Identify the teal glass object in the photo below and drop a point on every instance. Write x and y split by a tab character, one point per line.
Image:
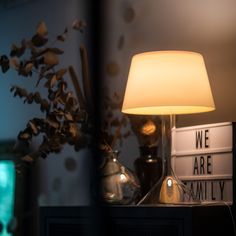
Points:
7	193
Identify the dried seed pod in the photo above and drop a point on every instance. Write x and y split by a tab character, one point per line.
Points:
50	58
42	29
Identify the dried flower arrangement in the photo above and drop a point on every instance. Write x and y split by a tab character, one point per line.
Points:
67	117
117	126
114	124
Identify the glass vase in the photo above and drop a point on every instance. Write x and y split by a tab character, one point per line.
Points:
119	185
148	168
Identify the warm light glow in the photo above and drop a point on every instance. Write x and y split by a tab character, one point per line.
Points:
169	182
167	82
148	128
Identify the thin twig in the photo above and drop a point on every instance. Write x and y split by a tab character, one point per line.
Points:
117	133
86	81
78	90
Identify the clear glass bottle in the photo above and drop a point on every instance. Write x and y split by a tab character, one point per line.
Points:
119	185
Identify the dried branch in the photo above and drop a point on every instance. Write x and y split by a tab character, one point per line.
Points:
116	136
65	117
86	81
78	90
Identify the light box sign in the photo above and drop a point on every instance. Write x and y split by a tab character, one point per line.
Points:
202	157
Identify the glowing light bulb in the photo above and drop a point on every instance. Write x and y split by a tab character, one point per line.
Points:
169	182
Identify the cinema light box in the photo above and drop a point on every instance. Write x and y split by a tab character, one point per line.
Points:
202	158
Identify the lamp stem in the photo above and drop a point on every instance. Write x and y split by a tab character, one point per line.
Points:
170	192
168	123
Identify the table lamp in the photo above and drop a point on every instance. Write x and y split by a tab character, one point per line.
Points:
168	83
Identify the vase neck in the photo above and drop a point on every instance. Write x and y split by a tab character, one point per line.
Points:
147	151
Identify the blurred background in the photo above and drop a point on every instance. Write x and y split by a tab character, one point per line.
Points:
124	28
207	27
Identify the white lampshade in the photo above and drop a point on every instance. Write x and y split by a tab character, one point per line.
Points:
167	82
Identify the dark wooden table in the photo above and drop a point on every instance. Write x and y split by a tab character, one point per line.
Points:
159	220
